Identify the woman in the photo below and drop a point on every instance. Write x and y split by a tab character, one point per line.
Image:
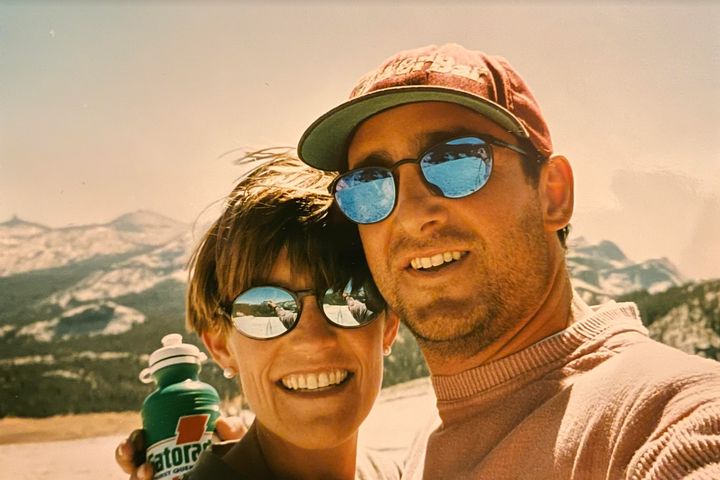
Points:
310	377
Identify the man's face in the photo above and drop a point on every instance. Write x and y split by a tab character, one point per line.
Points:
503	271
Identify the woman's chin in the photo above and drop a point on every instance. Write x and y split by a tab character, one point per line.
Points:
319	436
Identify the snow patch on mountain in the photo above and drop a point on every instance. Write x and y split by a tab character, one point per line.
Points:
134	275
18	228
147	228
686	327
601	271
29	360
27	246
66	374
5	329
101	318
90	355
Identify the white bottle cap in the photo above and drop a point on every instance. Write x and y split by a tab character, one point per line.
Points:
172	352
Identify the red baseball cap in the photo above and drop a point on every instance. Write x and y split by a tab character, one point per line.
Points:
450	73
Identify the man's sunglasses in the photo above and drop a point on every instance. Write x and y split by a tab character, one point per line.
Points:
270	311
454	168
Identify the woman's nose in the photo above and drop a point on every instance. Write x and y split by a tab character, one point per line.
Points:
313	331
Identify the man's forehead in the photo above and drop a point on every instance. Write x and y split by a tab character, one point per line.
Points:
415	127
381	154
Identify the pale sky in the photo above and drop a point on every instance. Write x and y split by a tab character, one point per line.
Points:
107	108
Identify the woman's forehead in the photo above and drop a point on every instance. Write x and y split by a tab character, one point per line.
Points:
291	276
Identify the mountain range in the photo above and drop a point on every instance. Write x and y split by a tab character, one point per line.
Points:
601	271
81	307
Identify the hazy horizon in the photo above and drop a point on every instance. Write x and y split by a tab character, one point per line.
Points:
108	108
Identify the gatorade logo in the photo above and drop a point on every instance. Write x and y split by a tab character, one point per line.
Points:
174	456
191	428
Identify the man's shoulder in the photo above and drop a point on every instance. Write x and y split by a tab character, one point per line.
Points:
645	378
642	356
632	353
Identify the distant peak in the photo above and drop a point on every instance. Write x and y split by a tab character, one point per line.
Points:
604	249
142	218
16	222
577	242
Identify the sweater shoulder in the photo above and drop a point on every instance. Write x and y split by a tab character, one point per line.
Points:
644	361
645	386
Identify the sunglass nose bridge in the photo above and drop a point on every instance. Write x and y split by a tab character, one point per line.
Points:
434	189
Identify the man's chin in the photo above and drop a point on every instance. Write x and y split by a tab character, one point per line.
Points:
454	333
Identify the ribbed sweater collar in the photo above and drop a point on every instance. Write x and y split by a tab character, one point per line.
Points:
480	379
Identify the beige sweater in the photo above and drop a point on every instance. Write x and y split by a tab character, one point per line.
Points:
599	400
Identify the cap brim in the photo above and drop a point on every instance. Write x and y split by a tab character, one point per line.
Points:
324	144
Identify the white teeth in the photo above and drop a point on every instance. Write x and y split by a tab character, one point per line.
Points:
312	381
419	263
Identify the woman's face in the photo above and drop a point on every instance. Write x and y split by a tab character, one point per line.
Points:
314	353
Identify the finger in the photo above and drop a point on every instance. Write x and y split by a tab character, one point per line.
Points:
137	443
230	428
123	456
145	472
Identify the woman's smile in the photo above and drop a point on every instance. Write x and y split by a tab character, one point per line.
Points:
315	381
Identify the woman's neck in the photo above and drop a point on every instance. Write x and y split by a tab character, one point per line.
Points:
262	454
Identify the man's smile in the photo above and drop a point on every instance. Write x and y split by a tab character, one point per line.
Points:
424	263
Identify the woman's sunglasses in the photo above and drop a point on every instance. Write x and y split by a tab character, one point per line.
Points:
454	168
270	311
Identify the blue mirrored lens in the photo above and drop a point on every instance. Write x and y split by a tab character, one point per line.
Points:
366	195
459	167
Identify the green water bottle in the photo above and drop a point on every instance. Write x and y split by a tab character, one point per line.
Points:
179	416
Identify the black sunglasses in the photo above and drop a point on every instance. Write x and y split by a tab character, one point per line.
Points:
454	168
269	311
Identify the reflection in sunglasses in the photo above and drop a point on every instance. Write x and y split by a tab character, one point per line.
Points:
269	311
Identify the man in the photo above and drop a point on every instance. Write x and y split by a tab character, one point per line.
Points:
448	168
358	309
286	317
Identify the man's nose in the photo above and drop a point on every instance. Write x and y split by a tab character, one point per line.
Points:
420	207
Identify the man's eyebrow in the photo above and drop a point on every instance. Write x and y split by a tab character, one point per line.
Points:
382	158
427	140
376	159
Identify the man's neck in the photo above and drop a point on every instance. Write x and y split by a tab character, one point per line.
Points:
552	315
262	454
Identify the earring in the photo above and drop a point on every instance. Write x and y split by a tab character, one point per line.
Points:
229	372
387	351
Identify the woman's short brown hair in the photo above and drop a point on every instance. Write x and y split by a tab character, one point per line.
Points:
282	204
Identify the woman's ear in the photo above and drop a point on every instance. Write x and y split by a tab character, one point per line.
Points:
215	341
392	324
556	192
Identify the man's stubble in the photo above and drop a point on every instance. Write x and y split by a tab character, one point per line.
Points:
510	284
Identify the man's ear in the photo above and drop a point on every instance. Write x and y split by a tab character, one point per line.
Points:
556	192
215	341
392	324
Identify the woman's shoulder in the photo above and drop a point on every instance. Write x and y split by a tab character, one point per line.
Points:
373	464
211	466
